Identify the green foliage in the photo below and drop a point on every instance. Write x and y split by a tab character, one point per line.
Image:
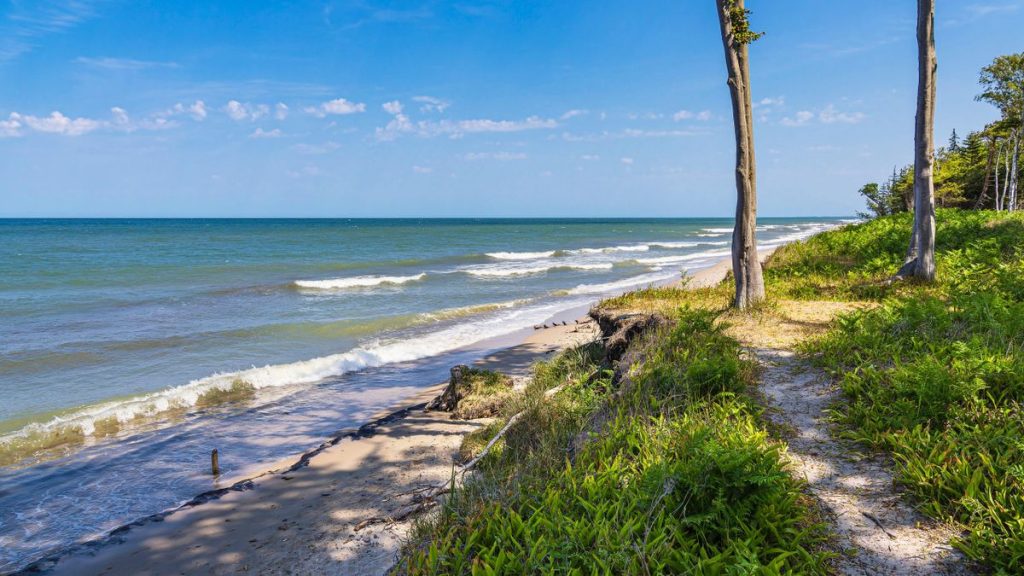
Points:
670	472
739	17
935	374
973	250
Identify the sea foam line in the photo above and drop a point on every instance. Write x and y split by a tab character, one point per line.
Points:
507	318
521	255
509	271
357	282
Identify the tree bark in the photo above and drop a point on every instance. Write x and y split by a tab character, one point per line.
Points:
923	264
1014	171
989	162
746	265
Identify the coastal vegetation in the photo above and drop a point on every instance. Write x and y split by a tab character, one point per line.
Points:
664	467
667	463
978	171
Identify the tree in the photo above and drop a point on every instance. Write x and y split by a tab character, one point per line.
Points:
954	142
1003	83
746	266
921	252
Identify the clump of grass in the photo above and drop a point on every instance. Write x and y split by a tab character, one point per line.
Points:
38	443
483	393
669	471
239	391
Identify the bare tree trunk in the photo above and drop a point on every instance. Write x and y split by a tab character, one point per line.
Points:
980	202
1014	171
746	265
923	265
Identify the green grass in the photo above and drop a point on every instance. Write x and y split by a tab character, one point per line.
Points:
484	392
934	374
667	471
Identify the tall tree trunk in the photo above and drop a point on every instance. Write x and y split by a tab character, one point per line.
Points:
746	265
980	202
1014	171
923	264
999	195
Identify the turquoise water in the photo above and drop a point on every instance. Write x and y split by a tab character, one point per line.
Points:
325	321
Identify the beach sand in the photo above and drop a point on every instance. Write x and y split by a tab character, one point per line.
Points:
302	521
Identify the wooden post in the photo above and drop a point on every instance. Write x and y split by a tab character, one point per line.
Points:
215	462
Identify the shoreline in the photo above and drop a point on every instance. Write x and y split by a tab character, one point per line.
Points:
130	547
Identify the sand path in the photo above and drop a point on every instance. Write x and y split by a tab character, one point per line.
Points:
877	532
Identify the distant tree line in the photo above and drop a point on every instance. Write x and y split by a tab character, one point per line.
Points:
981	170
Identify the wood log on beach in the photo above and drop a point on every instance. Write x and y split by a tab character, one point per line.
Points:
215	462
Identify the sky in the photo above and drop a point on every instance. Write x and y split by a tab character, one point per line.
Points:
324	108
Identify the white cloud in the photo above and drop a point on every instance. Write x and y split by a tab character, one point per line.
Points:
431	104
501	156
827	115
241	112
770	102
198	110
574	113
398	125
336	107
126	64
831	116
634	133
10	128
316	149
626	160
261	133
645	116
57	123
422	169
484	125
281	111
802	117
703	115
590	157
26	23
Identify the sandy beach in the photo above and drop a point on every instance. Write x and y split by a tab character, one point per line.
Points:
301	519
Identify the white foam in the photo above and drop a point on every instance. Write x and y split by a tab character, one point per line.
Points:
608	249
512	270
369	355
520	255
673	245
621	285
718	230
665	260
357	282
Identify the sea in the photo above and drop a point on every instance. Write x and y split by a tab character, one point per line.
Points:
129	349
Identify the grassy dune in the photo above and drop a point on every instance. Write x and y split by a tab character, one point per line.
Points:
671	469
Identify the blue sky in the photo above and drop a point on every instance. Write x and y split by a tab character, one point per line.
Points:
498	108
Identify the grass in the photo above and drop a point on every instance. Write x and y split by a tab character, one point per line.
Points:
671	470
668	470
483	394
932	374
